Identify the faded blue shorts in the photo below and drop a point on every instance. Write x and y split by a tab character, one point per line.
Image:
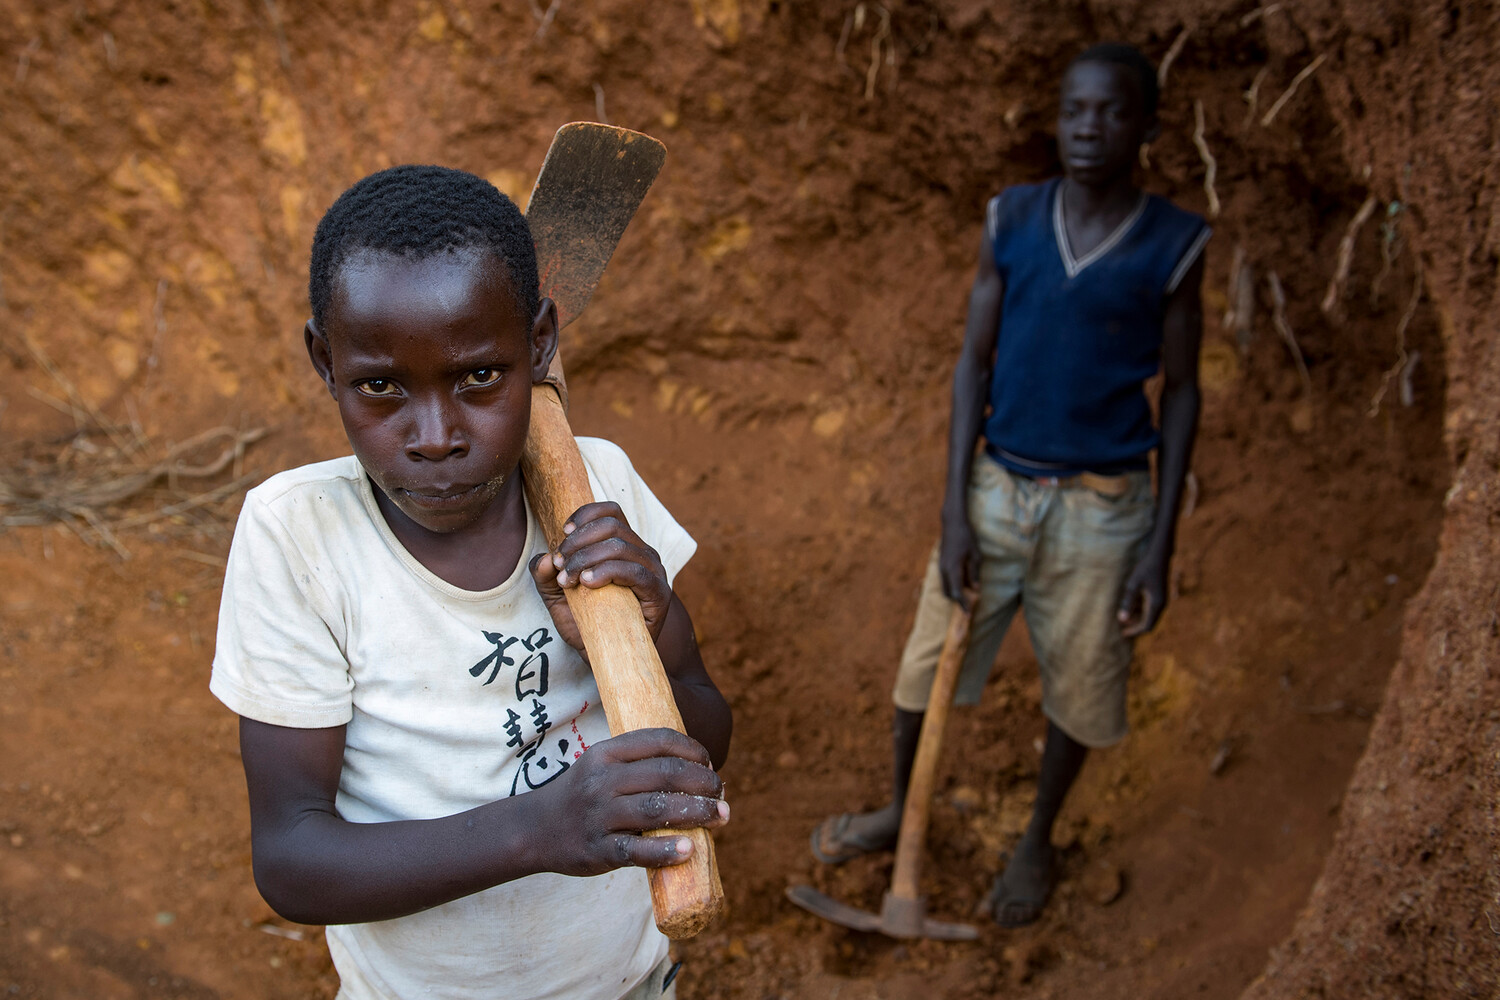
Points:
1063	554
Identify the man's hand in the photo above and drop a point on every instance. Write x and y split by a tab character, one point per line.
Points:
599	548
642	780
1144	597
958	558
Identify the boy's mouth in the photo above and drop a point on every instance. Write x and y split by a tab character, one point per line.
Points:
440	497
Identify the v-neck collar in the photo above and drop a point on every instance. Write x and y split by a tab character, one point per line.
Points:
1060	231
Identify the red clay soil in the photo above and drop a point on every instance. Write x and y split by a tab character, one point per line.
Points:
1312	769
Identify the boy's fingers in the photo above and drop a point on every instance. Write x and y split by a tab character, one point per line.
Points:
658	810
626	574
666	775
652	852
604	531
643	744
590	512
543	571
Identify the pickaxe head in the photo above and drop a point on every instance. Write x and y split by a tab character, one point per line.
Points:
898	917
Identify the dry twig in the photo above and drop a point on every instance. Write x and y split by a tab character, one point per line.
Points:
281	46
544	18
1240	316
1211	166
1278	316
873	73
1171	57
1258	13
1390	249
1252	95
1346	255
1291	89
23	62
1406	362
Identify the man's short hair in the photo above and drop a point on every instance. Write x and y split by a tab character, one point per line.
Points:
1131	58
419	212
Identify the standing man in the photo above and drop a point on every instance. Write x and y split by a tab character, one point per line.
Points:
1086	287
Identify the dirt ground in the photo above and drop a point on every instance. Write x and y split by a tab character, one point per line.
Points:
772	346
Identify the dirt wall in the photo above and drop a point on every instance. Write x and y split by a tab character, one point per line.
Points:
772	346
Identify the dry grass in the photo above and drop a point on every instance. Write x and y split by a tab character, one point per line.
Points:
105	477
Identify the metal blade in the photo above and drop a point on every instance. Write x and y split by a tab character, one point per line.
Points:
590	185
829	908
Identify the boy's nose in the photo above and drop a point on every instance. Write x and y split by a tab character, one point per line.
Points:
435	433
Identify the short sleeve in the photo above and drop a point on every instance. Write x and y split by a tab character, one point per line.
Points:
614	478
1189	257
276	658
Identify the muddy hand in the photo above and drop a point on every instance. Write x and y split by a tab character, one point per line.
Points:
648	779
599	548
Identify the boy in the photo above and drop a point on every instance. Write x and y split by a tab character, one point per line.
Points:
429	768
1085	284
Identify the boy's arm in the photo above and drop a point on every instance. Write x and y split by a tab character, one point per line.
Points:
313	867
959	553
600	548
705	713
1145	594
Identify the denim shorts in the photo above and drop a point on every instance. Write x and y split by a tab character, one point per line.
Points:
1062	553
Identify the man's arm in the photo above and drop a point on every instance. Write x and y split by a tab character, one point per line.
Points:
959	553
1145	594
314	867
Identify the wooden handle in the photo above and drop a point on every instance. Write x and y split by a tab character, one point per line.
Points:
906	879
633	686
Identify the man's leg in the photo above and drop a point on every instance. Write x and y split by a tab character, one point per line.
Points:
1001	575
852	834
1022	889
1089	544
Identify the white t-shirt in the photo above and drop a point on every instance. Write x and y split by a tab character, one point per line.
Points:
452	698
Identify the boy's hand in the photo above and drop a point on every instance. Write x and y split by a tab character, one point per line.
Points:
1144	597
642	780
600	548
959	559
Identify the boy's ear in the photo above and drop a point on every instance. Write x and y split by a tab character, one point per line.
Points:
543	339
320	354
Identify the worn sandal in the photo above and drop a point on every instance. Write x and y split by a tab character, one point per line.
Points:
835	830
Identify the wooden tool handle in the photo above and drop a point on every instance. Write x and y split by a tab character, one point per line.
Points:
912	840
633	685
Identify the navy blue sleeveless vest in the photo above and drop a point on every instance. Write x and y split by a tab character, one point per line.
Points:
1079	336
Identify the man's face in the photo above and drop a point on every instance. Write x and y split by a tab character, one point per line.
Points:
431	363
1101	122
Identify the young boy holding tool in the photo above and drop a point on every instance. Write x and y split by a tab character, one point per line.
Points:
428	764
1085	287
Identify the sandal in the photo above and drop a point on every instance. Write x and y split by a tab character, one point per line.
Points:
835	830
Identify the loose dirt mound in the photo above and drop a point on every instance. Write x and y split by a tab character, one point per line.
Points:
772	347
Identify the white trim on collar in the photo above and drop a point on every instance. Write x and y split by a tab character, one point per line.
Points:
1060	233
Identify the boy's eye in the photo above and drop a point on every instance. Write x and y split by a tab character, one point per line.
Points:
377	387
482	377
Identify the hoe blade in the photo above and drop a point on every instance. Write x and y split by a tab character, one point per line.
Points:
590	185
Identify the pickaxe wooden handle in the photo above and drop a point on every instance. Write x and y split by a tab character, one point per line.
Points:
590	184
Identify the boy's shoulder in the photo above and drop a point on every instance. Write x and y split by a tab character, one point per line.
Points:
1168	210
310	501
1019	202
336	474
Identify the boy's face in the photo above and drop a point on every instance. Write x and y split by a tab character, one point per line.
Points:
431	363
1101	122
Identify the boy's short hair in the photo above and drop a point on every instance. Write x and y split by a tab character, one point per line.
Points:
419	212
1133	60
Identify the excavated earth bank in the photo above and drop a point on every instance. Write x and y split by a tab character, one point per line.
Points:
1305	807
